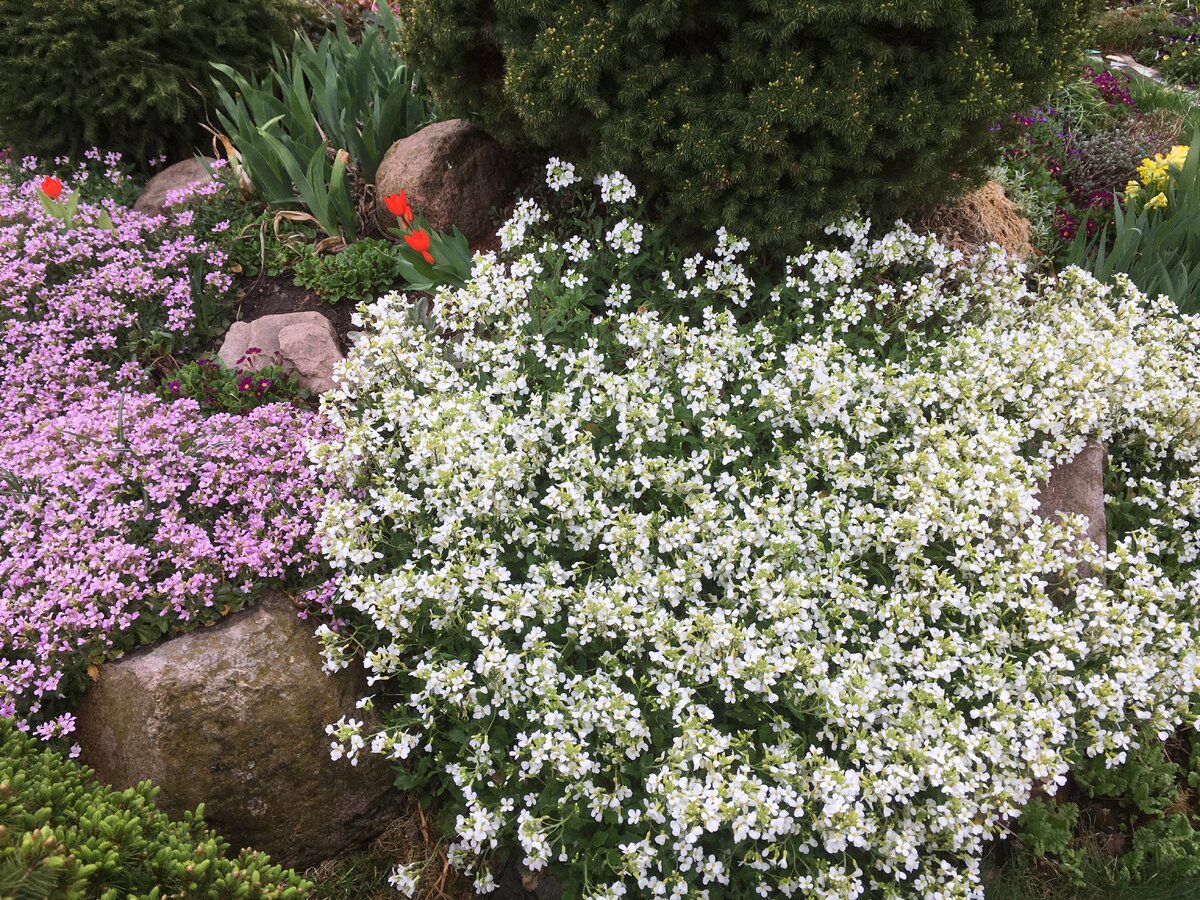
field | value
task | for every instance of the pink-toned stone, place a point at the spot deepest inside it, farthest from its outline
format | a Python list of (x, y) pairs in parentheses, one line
[(454, 175), (233, 716), (1077, 488), (175, 177), (303, 343)]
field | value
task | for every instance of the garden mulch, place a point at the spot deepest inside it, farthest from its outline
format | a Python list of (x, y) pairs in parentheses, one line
[(268, 296)]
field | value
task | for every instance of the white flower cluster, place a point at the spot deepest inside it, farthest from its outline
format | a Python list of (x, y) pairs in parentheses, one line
[(625, 237), (560, 175), (763, 605), (616, 188), (515, 231)]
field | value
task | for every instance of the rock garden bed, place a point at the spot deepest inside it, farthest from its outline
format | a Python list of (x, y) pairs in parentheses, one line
[(427, 484)]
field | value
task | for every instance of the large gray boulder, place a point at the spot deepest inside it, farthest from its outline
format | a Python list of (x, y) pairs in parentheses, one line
[(453, 173), (153, 198), (303, 343), (233, 716)]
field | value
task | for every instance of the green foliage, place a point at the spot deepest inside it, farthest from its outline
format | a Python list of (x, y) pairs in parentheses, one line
[(1130, 834), (1151, 96), (121, 74), (358, 272), (1158, 248), (1127, 30), (1146, 783), (218, 388), (1046, 827), (368, 268), (66, 836), (324, 116), (766, 116), (1180, 61), (448, 261)]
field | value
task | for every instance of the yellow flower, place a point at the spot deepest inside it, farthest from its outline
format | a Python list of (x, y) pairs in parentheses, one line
[(1158, 201), (1155, 173), (1132, 189)]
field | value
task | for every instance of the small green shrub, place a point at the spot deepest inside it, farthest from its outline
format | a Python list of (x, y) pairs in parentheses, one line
[(1126, 30), (119, 74), (767, 116), (218, 388), (356, 273), (64, 835)]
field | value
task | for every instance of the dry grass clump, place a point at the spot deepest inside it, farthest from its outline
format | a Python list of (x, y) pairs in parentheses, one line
[(981, 217), (412, 839)]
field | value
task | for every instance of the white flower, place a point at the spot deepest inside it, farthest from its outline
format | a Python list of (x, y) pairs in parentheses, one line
[(513, 232), (403, 881), (616, 188), (578, 249), (625, 237), (792, 565), (559, 174)]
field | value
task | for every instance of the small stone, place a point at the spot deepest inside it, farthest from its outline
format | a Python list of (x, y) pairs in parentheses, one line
[(153, 198), (303, 343), (518, 883), (1077, 488), (233, 716), (454, 175)]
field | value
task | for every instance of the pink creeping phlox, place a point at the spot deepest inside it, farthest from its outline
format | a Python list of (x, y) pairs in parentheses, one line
[(122, 516)]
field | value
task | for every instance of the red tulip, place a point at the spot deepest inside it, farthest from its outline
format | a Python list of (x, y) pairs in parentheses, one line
[(397, 205), (419, 241), (52, 187)]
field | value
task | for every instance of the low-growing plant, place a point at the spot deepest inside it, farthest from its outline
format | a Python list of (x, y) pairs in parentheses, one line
[(362, 270), (66, 836), (123, 517), (1064, 162), (1173, 46), (1129, 833), (1151, 96), (321, 119), (678, 578), (1109, 159), (96, 177), (218, 388), (429, 258)]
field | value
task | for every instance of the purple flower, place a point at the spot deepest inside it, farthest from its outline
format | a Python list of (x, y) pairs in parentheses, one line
[(123, 507)]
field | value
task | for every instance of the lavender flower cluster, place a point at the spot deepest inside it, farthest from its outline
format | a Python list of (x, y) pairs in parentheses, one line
[(122, 516)]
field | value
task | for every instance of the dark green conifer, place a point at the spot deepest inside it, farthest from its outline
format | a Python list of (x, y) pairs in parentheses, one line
[(767, 116), (125, 75)]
